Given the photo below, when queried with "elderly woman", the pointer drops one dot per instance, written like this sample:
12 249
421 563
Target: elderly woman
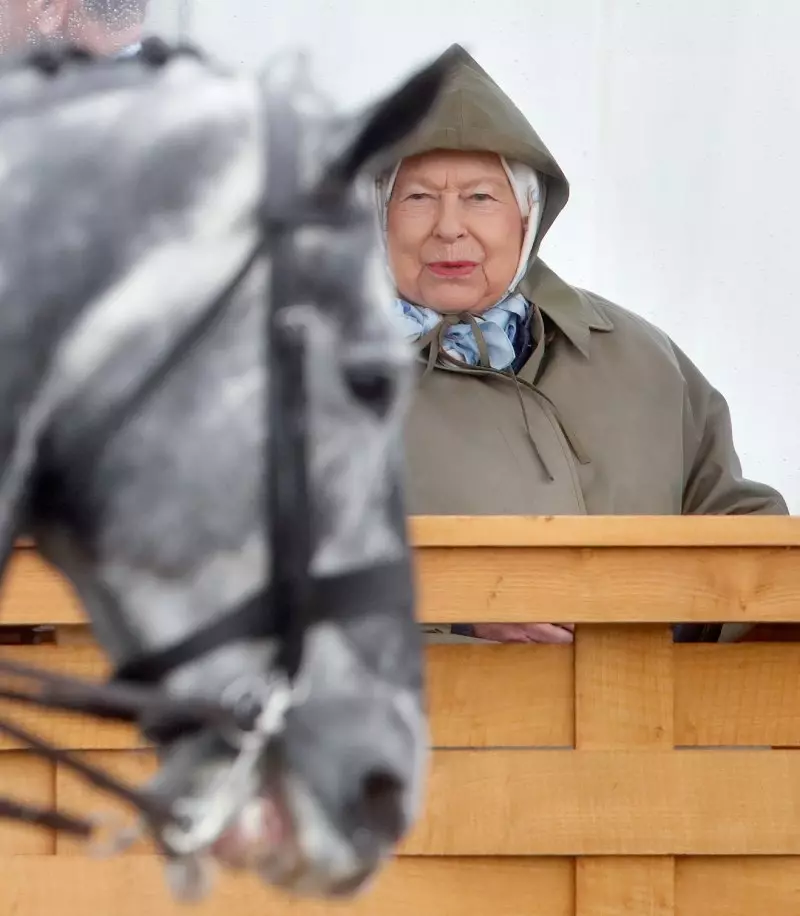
535 397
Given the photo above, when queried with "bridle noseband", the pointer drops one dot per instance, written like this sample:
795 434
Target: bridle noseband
293 600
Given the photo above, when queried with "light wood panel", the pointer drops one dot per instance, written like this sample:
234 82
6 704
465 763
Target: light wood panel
25 779
624 699
626 803
73 794
424 887
479 696
605 531
738 695
605 585
569 584
623 688
762 886
623 801
594 531
522 696
625 886
632 803
33 592
64 729
738 887
500 696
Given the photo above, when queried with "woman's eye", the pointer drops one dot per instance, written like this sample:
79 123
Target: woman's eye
418 196
482 198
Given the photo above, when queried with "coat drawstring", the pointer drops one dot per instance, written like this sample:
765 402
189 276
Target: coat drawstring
433 341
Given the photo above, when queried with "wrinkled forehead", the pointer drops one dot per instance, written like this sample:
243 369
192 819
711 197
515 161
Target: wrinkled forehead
452 168
463 169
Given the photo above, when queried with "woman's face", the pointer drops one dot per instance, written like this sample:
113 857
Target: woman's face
455 231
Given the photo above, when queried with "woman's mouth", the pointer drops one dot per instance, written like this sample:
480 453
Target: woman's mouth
452 270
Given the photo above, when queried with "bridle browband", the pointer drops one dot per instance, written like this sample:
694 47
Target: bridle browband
294 598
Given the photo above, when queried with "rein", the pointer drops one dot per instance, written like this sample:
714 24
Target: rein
293 599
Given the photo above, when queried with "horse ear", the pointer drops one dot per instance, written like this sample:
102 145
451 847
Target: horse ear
371 137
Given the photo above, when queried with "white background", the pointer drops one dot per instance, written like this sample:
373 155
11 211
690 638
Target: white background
678 125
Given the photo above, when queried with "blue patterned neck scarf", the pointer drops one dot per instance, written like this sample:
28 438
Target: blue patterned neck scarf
499 326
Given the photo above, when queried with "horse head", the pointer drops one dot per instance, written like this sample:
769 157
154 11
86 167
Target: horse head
148 210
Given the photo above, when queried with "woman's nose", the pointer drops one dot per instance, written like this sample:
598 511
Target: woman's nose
450 222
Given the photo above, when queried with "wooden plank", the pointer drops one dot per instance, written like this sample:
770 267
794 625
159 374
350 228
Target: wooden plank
519 696
738 886
500 696
79 634
605 531
638 802
63 729
74 794
72 886
737 695
522 803
507 584
625 886
479 696
25 778
594 531
608 585
623 687
33 592
623 699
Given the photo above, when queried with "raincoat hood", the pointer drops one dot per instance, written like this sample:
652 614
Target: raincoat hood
474 114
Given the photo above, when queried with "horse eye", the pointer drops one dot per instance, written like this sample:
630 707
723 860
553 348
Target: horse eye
373 386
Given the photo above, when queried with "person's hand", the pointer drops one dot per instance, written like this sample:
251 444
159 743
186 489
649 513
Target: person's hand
525 632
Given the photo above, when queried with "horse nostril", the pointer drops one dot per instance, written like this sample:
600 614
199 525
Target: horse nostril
380 805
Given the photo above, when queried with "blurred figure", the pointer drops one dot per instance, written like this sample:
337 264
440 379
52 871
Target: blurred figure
112 27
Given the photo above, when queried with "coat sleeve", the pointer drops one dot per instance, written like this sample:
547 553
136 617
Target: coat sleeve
713 481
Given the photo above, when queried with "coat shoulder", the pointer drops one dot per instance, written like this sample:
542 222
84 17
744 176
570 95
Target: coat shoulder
630 326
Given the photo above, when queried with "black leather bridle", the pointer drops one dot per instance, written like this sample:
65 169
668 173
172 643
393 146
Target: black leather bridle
294 598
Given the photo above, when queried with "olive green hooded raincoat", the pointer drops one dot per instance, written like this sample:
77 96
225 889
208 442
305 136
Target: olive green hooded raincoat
607 416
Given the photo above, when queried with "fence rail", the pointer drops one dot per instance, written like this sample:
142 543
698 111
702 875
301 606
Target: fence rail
622 775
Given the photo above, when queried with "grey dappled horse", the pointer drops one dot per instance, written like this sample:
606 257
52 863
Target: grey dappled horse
129 199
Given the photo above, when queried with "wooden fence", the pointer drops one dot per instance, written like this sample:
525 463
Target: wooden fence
626 775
